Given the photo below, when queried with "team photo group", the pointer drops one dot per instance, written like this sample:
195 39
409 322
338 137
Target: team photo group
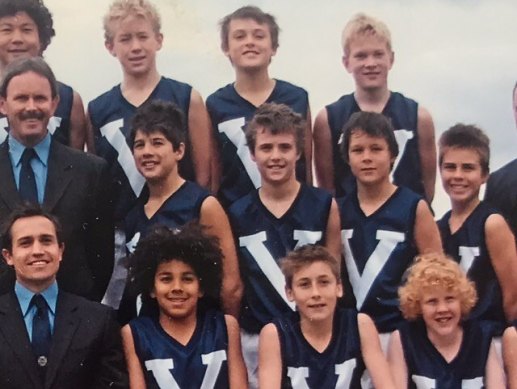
155 238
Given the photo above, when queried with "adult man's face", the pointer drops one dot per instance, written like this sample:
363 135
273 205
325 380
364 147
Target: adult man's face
35 253
28 106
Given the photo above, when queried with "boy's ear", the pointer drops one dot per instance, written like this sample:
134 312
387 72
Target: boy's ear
392 58
109 46
344 61
289 293
339 289
159 39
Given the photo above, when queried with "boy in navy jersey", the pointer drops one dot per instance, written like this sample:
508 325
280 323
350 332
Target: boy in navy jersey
132 35
249 38
473 233
157 139
438 348
26 31
319 345
368 56
183 343
274 219
383 226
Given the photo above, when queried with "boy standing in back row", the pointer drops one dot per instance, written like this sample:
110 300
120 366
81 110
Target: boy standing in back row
249 38
368 56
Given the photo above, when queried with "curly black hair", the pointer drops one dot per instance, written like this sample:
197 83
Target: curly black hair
189 244
37 12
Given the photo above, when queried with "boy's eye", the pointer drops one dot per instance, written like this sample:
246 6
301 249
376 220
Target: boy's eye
165 279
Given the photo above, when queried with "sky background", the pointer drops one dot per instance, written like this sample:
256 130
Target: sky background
458 58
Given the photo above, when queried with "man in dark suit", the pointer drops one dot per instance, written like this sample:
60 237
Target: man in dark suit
51 339
68 183
501 188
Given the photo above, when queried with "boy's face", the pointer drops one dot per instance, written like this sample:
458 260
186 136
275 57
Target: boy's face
19 38
315 291
441 311
176 289
369 60
462 175
249 44
154 155
275 156
369 158
134 44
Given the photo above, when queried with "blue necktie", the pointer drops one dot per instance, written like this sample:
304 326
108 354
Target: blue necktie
41 336
27 189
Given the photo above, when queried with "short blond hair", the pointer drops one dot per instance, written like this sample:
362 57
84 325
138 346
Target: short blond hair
430 271
120 9
364 25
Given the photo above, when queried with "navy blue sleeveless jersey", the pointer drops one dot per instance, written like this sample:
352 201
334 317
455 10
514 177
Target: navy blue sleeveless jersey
468 247
403 113
167 364
229 113
59 124
427 369
110 115
182 206
378 249
340 365
264 239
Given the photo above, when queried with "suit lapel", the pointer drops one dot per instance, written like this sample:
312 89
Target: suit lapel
9 193
65 325
14 329
59 175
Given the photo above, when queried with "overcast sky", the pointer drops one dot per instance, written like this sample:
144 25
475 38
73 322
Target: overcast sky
458 58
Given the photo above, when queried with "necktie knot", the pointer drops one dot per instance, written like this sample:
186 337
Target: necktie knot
28 155
39 302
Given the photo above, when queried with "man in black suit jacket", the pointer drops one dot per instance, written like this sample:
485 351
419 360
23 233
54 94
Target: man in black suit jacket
71 184
501 188
84 348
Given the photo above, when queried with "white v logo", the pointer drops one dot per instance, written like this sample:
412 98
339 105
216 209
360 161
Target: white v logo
361 284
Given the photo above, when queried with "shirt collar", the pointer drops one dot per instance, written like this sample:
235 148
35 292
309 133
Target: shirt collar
25 295
42 149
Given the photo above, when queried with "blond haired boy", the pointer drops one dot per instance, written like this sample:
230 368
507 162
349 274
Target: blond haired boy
368 56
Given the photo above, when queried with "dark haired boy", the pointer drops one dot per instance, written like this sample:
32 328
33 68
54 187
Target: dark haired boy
473 233
274 219
249 38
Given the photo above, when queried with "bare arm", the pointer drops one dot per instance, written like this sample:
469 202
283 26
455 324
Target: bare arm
270 359
372 353
510 356
427 235
308 148
333 232
501 249
77 123
216 221
427 151
200 134
397 362
323 158
236 369
136 375
494 373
